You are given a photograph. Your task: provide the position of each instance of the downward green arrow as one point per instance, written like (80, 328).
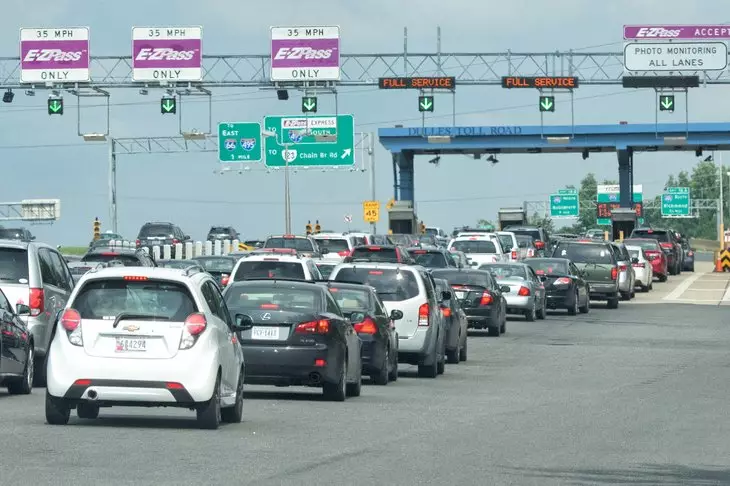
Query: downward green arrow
(55, 106)
(546, 103)
(426, 103)
(168, 105)
(667, 102)
(308, 103)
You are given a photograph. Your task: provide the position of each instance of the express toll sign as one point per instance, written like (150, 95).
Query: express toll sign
(540, 82)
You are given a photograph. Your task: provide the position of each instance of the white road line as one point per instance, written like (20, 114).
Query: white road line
(720, 289)
(726, 297)
(681, 288)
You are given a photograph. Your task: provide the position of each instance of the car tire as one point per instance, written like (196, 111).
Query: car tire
(382, 376)
(691, 268)
(625, 296)
(354, 389)
(58, 410)
(24, 384)
(612, 304)
(39, 370)
(393, 375)
(337, 392)
(234, 414)
(429, 371)
(644, 288)
(531, 314)
(441, 366)
(542, 313)
(651, 285)
(573, 309)
(585, 309)
(662, 278)
(87, 411)
(463, 351)
(209, 413)
(452, 357)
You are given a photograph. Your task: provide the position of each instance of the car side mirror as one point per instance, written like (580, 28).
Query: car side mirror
(542, 278)
(244, 322)
(396, 315)
(634, 260)
(445, 295)
(22, 310)
(187, 237)
(505, 289)
(324, 251)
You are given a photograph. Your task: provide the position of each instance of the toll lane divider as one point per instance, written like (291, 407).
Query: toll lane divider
(188, 250)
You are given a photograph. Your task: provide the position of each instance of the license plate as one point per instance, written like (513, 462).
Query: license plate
(460, 294)
(265, 333)
(125, 345)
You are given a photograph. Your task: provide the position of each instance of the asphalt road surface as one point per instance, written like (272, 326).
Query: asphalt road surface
(633, 396)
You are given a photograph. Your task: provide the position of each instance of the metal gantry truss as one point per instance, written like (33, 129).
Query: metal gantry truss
(542, 208)
(23, 211)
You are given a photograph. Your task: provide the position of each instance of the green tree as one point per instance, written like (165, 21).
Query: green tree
(541, 222)
(587, 199)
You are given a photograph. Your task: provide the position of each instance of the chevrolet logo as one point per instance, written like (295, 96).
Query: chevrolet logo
(131, 328)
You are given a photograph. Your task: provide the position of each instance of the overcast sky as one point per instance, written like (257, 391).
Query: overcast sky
(184, 189)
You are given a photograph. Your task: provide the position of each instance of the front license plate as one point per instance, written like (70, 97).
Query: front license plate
(265, 333)
(125, 345)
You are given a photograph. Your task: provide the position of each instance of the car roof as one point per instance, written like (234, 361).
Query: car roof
(325, 262)
(173, 274)
(428, 249)
(113, 249)
(268, 256)
(214, 257)
(383, 265)
(280, 282)
(21, 245)
(503, 264)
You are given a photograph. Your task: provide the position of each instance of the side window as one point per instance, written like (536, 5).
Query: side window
(61, 270)
(616, 253)
(221, 303)
(429, 286)
(379, 309)
(4, 304)
(332, 306)
(212, 302)
(572, 268)
(450, 259)
(316, 274)
(48, 274)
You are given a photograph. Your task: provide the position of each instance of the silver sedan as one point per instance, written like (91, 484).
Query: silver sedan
(527, 293)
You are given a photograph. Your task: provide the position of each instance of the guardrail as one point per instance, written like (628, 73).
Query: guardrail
(187, 250)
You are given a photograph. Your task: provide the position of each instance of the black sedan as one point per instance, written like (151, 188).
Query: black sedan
(299, 337)
(480, 297)
(220, 267)
(376, 329)
(689, 256)
(16, 349)
(565, 287)
(433, 258)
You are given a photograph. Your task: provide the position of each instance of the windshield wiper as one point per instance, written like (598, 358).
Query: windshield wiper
(8, 279)
(130, 315)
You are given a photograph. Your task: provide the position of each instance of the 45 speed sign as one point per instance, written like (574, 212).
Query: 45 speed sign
(371, 211)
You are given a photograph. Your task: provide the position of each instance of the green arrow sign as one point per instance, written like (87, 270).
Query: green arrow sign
(239, 142)
(564, 205)
(666, 103)
(168, 105)
(319, 140)
(309, 104)
(676, 203)
(547, 103)
(55, 106)
(425, 103)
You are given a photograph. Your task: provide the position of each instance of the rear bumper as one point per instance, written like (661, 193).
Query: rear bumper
(372, 353)
(624, 282)
(603, 291)
(517, 304)
(481, 318)
(658, 267)
(642, 277)
(558, 299)
(137, 392)
(289, 365)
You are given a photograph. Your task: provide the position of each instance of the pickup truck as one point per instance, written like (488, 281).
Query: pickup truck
(597, 263)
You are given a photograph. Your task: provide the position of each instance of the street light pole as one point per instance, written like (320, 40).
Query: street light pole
(721, 217)
(287, 192)
(371, 156)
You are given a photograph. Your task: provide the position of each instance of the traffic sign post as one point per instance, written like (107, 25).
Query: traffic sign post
(564, 204)
(309, 104)
(55, 106)
(239, 142)
(371, 211)
(607, 198)
(676, 203)
(162, 54)
(666, 102)
(547, 103)
(168, 105)
(319, 140)
(425, 103)
(56, 55)
(305, 53)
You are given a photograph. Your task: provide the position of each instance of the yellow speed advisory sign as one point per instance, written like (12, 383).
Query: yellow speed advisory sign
(371, 211)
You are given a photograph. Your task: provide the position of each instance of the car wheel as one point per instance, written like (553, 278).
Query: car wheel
(393, 375)
(209, 413)
(441, 367)
(234, 414)
(573, 309)
(651, 285)
(429, 371)
(57, 410)
(87, 411)
(612, 304)
(542, 313)
(662, 278)
(586, 308)
(24, 385)
(625, 295)
(463, 351)
(644, 288)
(382, 377)
(336, 392)
(452, 357)
(531, 314)
(691, 268)
(354, 389)
(39, 370)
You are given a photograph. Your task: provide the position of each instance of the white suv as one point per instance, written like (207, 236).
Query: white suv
(338, 245)
(145, 336)
(479, 249)
(283, 263)
(411, 290)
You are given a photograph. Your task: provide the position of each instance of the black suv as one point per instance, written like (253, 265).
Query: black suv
(670, 246)
(222, 233)
(128, 257)
(21, 234)
(539, 235)
(159, 234)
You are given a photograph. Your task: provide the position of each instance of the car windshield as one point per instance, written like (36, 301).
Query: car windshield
(13, 264)
(11, 234)
(429, 259)
(475, 246)
(375, 254)
(269, 269)
(272, 298)
(392, 285)
(127, 260)
(643, 244)
(432, 231)
(427, 239)
(180, 264)
(545, 266)
(106, 299)
(505, 241)
(325, 269)
(351, 300)
(299, 244)
(156, 230)
(661, 236)
(585, 253)
(534, 234)
(524, 241)
(218, 230)
(335, 245)
(505, 271)
(221, 265)
(78, 270)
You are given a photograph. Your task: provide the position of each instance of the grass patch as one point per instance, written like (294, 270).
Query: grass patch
(74, 250)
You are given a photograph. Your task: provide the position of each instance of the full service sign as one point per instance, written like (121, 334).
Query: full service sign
(675, 56)
(167, 53)
(664, 32)
(306, 53)
(540, 82)
(54, 55)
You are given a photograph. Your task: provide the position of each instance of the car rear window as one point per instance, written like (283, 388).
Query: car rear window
(79, 270)
(429, 259)
(334, 244)
(325, 269)
(432, 231)
(534, 234)
(506, 271)
(272, 298)
(392, 285)
(658, 235)
(585, 253)
(158, 230)
(224, 265)
(13, 264)
(107, 298)
(645, 245)
(548, 267)
(269, 269)
(125, 260)
(505, 241)
(456, 277)
(634, 253)
(218, 230)
(524, 241)
(351, 300)
(11, 234)
(300, 244)
(181, 264)
(475, 246)
(375, 254)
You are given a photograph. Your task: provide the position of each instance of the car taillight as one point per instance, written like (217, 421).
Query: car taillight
(486, 298)
(690, 253)
(139, 243)
(367, 326)
(666, 245)
(539, 245)
(71, 323)
(614, 273)
(344, 253)
(321, 326)
(446, 311)
(523, 292)
(563, 281)
(195, 324)
(638, 265)
(652, 255)
(622, 268)
(224, 280)
(36, 302)
(423, 312)
(175, 241)
(514, 254)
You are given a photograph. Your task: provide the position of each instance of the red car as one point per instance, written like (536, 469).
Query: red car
(655, 255)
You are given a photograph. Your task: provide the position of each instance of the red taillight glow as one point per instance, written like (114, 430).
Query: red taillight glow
(367, 326)
(539, 245)
(269, 306)
(419, 252)
(690, 253)
(666, 245)
(446, 311)
(171, 385)
(486, 298)
(523, 292)
(36, 302)
(321, 326)
(375, 272)
(138, 243)
(70, 320)
(614, 273)
(109, 253)
(638, 265)
(514, 254)
(423, 312)
(82, 382)
(288, 236)
(135, 278)
(622, 268)
(175, 241)
(320, 363)
(224, 280)
(562, 281)
(374, 248)
(196, 323)
(343, 253)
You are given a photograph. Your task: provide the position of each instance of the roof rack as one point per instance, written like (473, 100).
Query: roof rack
(192, 270)
(280, 251)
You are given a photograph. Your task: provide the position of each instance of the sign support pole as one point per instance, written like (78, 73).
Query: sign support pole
(113, 185)
(371, 160)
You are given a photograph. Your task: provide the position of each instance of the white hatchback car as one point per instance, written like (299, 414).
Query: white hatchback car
(642, 268)
(145, 336)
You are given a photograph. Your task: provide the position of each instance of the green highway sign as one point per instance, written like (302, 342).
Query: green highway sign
(317, 140)
(666, 102)
(676, 203)
(309, 104)
(564, 204)
(168, 104)
(607, 197)
(547, 103)
(55, 106)
(239, 142)
(425, 103)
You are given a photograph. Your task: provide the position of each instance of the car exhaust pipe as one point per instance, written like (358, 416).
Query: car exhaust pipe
(315, 378)
(92, 395)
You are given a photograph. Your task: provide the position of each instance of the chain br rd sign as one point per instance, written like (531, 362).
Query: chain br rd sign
(676, 203)
(564, 204)
(239, 142)
(316, 140)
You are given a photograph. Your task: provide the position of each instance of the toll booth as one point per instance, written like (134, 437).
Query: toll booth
(402, 218)
(622, 220)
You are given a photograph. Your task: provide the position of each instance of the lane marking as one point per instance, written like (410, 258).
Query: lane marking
(721, 289)
(681, 288)
(726, 297)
